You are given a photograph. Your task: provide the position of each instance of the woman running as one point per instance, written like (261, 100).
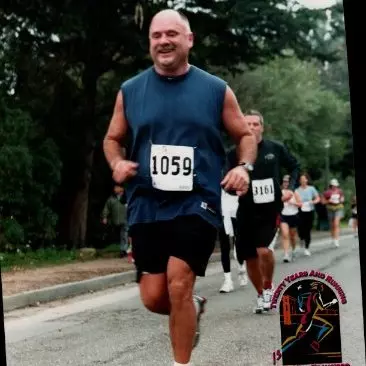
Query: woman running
(309, 197)
(289, 220)
(333, 198)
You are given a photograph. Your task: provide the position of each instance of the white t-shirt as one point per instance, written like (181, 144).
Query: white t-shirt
(289, 207)
(229, 206)
(307, 195)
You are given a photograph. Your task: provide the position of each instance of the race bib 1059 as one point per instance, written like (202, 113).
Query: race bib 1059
(263, 191)
(171, 167)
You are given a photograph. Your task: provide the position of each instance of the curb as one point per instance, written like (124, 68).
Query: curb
(51, 293)
(47, 294)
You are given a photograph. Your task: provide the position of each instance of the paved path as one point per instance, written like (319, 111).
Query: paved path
(112, 328)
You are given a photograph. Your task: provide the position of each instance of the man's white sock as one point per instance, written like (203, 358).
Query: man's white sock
(198, 308)
(182, 364)
(227, 276)
(242, 267)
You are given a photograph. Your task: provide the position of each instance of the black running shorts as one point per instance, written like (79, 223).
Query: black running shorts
(189, 238)
(255, 230)
(291, 220)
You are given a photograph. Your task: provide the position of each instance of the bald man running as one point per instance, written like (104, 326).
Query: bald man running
(169, 118)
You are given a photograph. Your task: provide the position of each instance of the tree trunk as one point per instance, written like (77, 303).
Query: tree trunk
(79, 212)
(92, 51)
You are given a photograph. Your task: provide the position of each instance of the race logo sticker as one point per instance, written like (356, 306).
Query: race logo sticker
(309, 303)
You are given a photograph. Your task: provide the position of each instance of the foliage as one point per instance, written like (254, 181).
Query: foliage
(297, 109)
(63, 63)
(29, 178)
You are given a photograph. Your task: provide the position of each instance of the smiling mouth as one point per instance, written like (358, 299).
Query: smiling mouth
(165, 52)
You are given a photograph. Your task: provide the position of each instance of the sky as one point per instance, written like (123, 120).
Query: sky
(317, 3)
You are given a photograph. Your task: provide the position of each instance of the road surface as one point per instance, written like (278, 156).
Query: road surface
(112, 328)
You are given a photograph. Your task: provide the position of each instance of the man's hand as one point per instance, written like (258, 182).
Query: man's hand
(287, 196)
(104, 221)
(123, 170)
(237, 179)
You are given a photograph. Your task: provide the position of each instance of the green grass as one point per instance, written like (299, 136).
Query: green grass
(48, 257)
(35, 259)
(112, 248)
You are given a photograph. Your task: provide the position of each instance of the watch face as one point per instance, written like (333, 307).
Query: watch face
(249, 166)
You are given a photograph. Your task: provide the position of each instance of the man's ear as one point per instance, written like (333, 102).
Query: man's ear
(191, 39)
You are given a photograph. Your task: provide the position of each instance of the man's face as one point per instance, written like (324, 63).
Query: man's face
(170, 41)
(255, 125)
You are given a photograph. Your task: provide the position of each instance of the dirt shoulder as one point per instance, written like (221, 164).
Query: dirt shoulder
(18, 281)
(22, 280)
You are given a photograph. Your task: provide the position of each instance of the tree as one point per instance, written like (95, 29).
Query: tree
(297, 109)
(65, 61)
(29, 177)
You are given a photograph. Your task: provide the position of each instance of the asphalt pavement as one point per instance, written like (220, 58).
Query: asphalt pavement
(112, 328)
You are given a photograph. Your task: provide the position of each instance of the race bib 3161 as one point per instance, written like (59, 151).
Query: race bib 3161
(263, 191)
(171, 167)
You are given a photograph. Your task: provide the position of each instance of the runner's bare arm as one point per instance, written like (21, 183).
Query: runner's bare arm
(316, 199)
(115, 134)
(298, 199)
(238, 128)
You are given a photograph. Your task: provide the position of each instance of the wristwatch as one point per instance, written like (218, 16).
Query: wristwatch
(247, 166)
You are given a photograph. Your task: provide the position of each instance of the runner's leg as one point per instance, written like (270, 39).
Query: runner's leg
(151, 260)
(154, 293)
(247, 232)
(225, 261)
(242, 269)
(337, 224)
(267, 234)
(194, 242)
(183, 316)
(285, 236)
(225, 250)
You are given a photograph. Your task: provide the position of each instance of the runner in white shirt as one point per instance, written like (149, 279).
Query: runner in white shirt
(289, 220)
(229, 205)
(309, 197)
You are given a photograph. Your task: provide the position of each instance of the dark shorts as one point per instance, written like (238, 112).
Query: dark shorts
(291, 220)
(189, 238)
(256, 230)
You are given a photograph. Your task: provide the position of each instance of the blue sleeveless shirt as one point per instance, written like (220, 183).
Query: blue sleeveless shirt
(180, 111)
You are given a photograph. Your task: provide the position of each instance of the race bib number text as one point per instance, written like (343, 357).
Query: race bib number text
(306, 207)
(263, 191)
(335, 198)
(171, 167)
